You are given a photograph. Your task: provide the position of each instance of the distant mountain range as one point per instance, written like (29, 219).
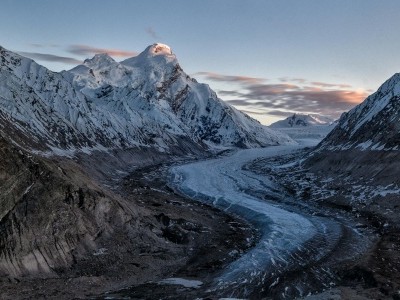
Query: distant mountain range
(144, 101)
(305, 126)
(302, 120)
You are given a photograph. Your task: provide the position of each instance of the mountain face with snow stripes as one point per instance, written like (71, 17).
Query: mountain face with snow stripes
(372, 125)
(144, 101)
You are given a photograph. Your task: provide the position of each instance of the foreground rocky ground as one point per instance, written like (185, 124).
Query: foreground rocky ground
(132, 236)
(184, 238)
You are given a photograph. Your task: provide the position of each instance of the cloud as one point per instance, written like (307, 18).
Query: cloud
(230, 78)
(150, 31)
(230, 93)
(253, 112)
(51, 58)
(323, 84)
(85, 50)
(44, 45)
(280, 113)
(297, 80)
(37, 45)
(297, 99)
(291, 95)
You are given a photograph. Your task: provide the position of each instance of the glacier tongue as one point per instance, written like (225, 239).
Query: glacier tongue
(144, 101)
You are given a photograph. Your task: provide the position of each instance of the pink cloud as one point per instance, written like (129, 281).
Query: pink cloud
(327, 85)
(86, 50)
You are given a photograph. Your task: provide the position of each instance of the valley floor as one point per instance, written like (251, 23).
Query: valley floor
(238, 226)
(304, 249)
(191, 239)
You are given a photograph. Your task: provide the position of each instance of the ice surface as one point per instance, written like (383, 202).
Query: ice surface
(223, 183)
(181, 281)
(289, 238)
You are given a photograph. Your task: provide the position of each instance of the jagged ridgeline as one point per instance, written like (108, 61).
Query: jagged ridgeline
(144, 101)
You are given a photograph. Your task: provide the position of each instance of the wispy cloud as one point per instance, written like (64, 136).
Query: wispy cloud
(44, 45)
(289, 79)
(151, 32)
(37, 45)
(281, 113)
(291, 95)
(230, 78)
(330, 85)
(85, 50)
(51, 58)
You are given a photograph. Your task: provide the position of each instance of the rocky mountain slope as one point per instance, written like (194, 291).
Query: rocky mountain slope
(145, 101)
(355, 170)
(63, 235)
(372, 125)
(357, 165)
(52, 214)
(365, 143)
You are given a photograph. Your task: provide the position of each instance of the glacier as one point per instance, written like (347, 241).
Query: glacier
(288, 237)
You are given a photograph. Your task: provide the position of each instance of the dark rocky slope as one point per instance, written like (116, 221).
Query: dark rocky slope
(64, 235)
(52, 214)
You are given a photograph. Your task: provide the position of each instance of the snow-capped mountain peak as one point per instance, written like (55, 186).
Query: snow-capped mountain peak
(158, 49)
(156, 75)
(305, 126)
(375, 102)
(97, 72)
(156, 56)
(101, 59)
(146, 101)
(302, 120)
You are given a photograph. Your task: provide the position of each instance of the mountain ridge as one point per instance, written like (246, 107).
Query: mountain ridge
(365, 144)
(158, 75)
(372, 124)
(145, 101)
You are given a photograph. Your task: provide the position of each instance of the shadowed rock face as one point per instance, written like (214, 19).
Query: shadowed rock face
(50, 216)
(60, 222)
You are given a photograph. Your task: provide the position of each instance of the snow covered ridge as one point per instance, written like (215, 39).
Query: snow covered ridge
(144, 101)
(372, 125)
(302, 120)
(301, 126)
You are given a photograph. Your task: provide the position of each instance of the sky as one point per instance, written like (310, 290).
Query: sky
(269, 58)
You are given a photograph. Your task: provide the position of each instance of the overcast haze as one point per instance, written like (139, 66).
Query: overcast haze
(268, 58)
